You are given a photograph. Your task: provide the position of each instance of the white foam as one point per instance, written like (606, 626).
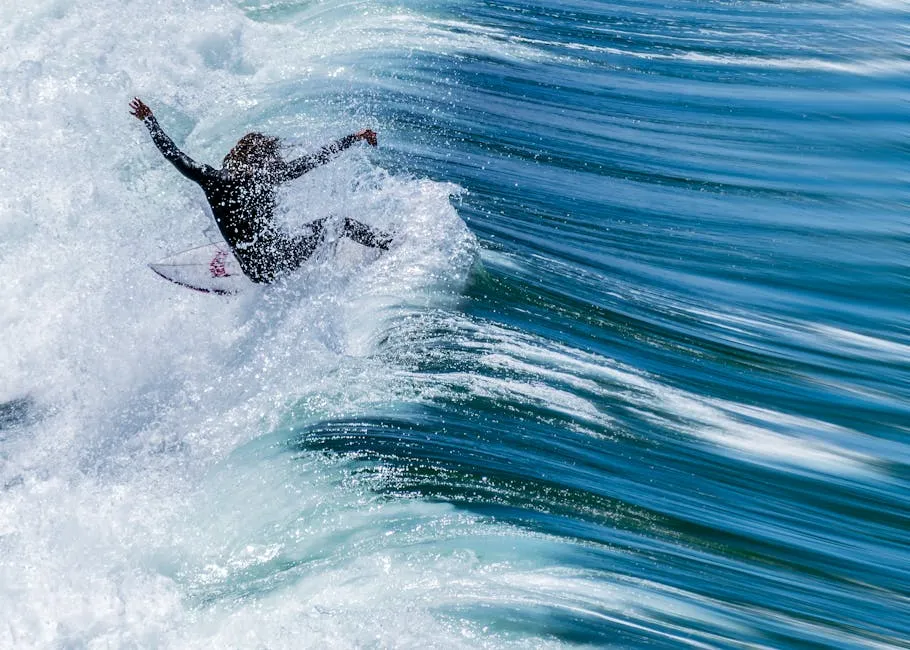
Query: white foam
(877, 66)
(883, 66)
(862, 344)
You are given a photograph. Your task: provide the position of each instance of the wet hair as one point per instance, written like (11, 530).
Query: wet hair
(253, 152)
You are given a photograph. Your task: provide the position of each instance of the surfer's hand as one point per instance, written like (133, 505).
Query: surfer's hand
(369, 135)
(140, 110)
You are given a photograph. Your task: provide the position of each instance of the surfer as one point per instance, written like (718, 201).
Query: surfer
(242, 197)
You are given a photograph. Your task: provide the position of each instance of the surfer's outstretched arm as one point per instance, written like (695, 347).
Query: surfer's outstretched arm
(300, 166)
(184, 164)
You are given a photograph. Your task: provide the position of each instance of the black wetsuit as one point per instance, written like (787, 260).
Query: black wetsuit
(243, 206)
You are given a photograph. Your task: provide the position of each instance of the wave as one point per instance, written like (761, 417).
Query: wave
(615, 383)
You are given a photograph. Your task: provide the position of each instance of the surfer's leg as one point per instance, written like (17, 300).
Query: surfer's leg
(363, 234)
(299, 249)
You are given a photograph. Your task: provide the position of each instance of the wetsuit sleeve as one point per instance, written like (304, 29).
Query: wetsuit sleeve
(302, 165)
(184, 164)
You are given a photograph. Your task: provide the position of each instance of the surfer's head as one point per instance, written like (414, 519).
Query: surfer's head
(253, 152)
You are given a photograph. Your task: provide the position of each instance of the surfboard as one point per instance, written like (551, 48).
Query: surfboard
(211, 268)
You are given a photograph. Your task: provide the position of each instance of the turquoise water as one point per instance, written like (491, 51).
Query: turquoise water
(635, 375)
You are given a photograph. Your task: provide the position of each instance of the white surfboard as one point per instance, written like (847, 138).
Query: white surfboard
(211, 268)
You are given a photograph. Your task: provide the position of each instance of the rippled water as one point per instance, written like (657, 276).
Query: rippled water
(636, 373)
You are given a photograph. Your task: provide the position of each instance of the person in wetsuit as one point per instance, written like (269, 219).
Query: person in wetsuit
(242, 197)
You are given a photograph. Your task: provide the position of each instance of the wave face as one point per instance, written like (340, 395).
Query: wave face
(636, 374)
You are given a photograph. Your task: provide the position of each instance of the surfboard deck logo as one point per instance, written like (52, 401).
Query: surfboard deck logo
(211, 268)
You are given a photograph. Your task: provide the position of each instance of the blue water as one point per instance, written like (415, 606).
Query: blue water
(636, 373)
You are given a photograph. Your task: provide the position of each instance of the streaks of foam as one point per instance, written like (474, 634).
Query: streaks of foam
(879, 66)
(598, 384)
(862, 344)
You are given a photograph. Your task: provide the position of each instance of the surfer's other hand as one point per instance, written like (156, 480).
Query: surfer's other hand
(369, 135)
(140, 110)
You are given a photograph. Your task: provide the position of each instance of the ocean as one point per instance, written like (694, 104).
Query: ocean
(635, 372)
